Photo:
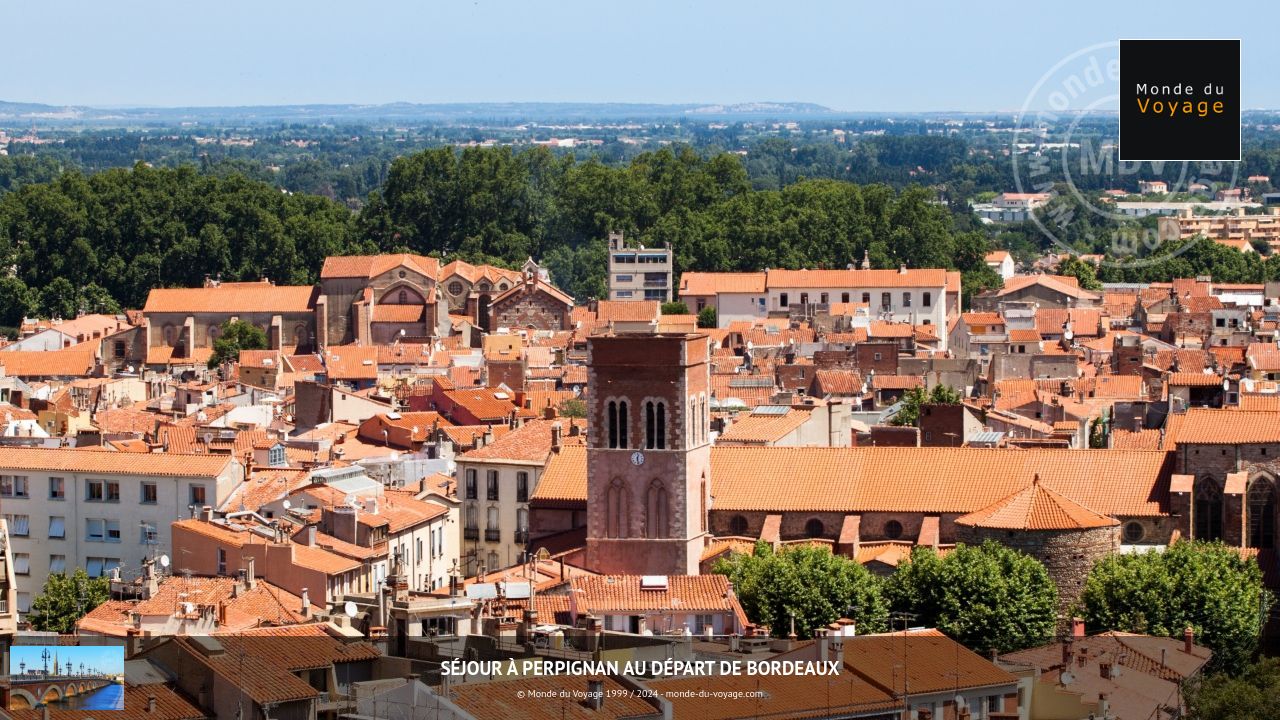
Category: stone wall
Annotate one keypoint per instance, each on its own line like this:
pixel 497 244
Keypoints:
pixel 1068 555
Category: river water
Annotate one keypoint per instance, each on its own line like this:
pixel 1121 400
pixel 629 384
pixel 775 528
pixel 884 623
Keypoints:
pixel 110 697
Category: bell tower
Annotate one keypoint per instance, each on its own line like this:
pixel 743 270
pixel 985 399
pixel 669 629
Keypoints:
pixel 648 452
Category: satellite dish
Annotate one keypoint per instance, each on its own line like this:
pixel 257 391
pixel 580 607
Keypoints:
pixel 286 504
pixel 187 608
pixel 164 561
pixel 1068 334
pixel 349 608
pixel 1067 678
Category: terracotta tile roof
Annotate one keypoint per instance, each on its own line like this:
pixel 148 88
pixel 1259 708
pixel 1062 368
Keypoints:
pixel 837 382
pixel 75 361
pixel 1259 403
pixel 896 382
pixel 475 273
pixel 368 266
pixel 402 511
pixel 264 603
pixel 881 329
pixel 887 479
pixel 785 279
pixel 853 337
pixel 169 705
pixel 267 359
pixel 1209 426
pixel 232 298
pixel 263 487
pixel 756 429
pixel 109 618
pixel 1139 440
pixel 982 318
pixel 351 362
pixel 392 313
pixel 126 420
pixel 530 443
pixel 82 461
pixel 750 390
pixel 1024 335
pixel 706 283
pixel 1194 379
pixel 1065 285
pixel 996 256
pixel 483 403
pixel 848 694
pixel 533 286
pixel 628 311
pixel 189 440
pixel 1036 507
pixel 612 594
pixel 1261 356
pixel 465 435
pixel 1085 322
pixel 500 700
pixel 261 678
pixel 214 530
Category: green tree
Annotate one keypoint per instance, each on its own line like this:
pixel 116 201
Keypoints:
pixel 236 335
pixel 1208 587
pixel 707 318
pixel 16 301
pixel 807 584
pixel 59 299
pixel 1080 270
pixel 913 399
pixel 1252 695
pixel 987 597
pixel 573 408
pixel 66 598
pixel 675 308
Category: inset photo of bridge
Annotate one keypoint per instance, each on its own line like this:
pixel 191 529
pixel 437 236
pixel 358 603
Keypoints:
pixel 66 677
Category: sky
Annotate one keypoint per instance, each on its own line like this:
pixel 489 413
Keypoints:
pixel 851 56
pixel 107 658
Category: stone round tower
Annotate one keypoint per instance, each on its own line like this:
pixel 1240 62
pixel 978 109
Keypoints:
pixel 1065 536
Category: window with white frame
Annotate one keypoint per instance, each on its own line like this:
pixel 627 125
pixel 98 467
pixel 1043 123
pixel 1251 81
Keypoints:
pixel 57 488
pixel 13 486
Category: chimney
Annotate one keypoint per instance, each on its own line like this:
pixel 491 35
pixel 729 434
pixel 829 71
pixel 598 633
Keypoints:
pixel 1104 707
pixel 306 604
pixel 206 513
pixel 373 506
pixel 1188 639
pixel 250 581
pixel 902 269
pixel 1077 627
pixel 595 694
pixel 549 412
pixel 222 622
pixel 151 704
pixel 311 534
pixel 555 437
pixel 820 634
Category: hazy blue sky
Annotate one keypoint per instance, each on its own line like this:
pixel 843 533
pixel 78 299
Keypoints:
pixel 847 55
pixel 106 658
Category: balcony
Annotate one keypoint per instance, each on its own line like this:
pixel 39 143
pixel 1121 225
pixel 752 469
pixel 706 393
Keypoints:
pixel 471 533
pixel 492 535
pixel 522 537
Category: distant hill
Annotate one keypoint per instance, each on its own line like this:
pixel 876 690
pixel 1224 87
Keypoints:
pixel 17 113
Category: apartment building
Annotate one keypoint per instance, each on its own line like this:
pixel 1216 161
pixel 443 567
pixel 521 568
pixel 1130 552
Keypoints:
pixel 639 273
pixel 1235 229
pixel 69 509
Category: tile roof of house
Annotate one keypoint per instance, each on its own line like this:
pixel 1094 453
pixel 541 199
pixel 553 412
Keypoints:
pixel 351 362
pixel 533 285
pixel 896 382
pixel 628 310
pixel 477 273
pixel 263 487
pixel 85 461
pixel 483 403
pixel 982 318
pixel 529 443
pixel 1210 426
pixel 169 705
pixel 1135 440
pixel 1259 403
pixel 246 607
pixel 1194 379
pixel 1036 507
pixel 1261 356
pixel 263 679
pixel 926 277
pixel 465 435
pixel 881 329
pixel 710 283
pixel 1065 285
pixel 248 297
pixel 729 697
pixel 394 313
pixel 997 256
pixel 837 382
pixel 612 594
pixel 1085 322
pixel 1024 335
pixel 888 479
pixel 124 420
pixel 937 664
pixel 368 266
pixel 75 361
pixel 762 429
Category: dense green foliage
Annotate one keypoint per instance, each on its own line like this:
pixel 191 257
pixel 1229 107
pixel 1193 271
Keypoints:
pixel 909 413
pixel 65 599
pixel 675 308
pixel 987 597
pixel 573 408
pixel 236 335
pixel 1206 586
pixel 707 317
pixel 1252 695
pixel 807 585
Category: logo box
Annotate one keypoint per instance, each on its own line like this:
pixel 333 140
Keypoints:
pixel 1180 100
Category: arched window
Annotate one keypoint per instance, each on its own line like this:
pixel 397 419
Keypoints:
pixel 300 334
pixel 213 333
pixel 1262 512
pixel 403 297
pixel 737 525
pixel 814 528
pixel 455 288
pixel 1208 509
pixel 168 335
pixel 624 439
pixel 611 410
pixel 655 425
pixel 702 503
pixel 893 529
pixel 657 519
pixel 616 525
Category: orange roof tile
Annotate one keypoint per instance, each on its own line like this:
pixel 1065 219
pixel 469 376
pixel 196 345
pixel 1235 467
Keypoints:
pixel 1194 379
pixel 1209 426
pixel 605 594
pixel 75 361
pixel 628 310
pixel 1036 507
pixel 1065 285
pixel 896 382
pixel 232 298
pixel 367 266
pixel 928 277
pixel 708 283
pixel 763 429
pixel 1135 440
pixel 351 362
pixel 83 461
pixel 392 313
pixel 529 443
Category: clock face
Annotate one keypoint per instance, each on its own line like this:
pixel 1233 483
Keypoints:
pixel 637 458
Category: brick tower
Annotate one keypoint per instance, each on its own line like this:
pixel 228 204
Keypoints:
pixel 648 453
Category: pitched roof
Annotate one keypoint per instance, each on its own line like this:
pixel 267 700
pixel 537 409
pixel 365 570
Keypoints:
pixel 1064 284
pixel 75 361
pixel 888 479
pixel 708 283
pixel 531 442
pixel 1135 440
pixel 351 362
pixel 367 266
pixel 604 594
pixel 232 298
pixel 926 278
pixel 532 286
pixel 483 403
pixel 392 313
pixel 1036 507
pixel 1211 426
pixel 628 310
pixel 86 461
pixel 759 429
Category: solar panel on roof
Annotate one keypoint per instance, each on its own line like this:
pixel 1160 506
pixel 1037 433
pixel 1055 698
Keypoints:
pixel 751 382
pixel 516 590
pixel 771 410
pixel 482 591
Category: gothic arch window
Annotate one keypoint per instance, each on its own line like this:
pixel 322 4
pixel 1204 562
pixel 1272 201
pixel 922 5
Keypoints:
pixel 1208 509
pixel 616 419
pixel 402 297
pixel 737 525
pixel 655 425
pixel 1261 512
pixel 814 528
pixel 616 525
pixel 702 503
pixel 300 334
pixel 657 511
pixel 213 333
pixel 624 438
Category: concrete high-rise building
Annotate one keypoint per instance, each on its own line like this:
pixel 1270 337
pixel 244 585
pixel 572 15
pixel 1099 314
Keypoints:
pixel 639 273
